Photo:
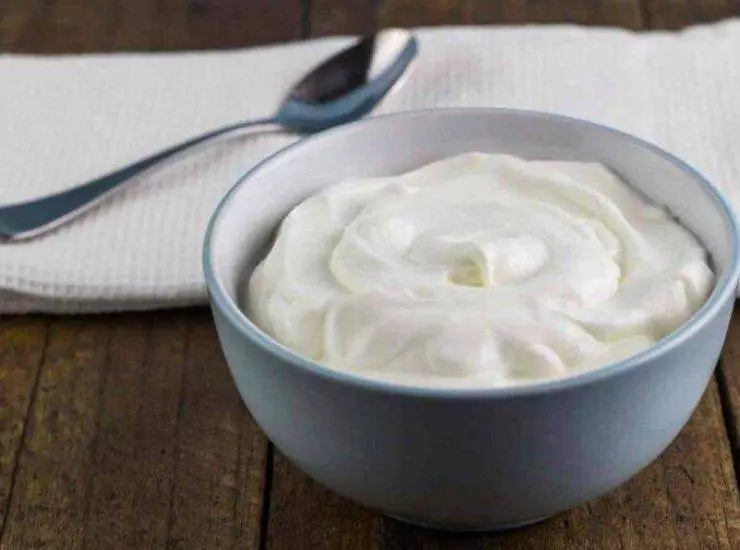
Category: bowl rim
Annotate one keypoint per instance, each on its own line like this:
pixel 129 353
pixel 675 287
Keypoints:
pixel 723 288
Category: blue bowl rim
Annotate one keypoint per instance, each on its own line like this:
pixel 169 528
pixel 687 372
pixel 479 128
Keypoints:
pixel 724 289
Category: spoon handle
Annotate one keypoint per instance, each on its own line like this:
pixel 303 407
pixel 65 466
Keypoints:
pixel 32 218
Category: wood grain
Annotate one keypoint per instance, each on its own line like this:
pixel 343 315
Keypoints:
pixel 76 26
pixel 729 378
pixel 624 13
pixel 238 23
pixel 20 22
pixel 132 467
pixel 677 14
pixel 48 504
pixel 137 437
pixel 303 514
pixel 22 346
pixel 365 16
pixel 332 17
pixel 221 454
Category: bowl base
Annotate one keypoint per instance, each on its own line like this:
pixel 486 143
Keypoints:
pixel 461 529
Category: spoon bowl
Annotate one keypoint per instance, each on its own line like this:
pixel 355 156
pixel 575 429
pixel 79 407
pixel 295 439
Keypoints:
pixel 350 84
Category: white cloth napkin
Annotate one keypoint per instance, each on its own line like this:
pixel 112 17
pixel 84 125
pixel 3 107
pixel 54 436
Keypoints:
pixel 64 120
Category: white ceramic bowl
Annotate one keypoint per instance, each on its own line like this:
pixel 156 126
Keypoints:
pixel 477 458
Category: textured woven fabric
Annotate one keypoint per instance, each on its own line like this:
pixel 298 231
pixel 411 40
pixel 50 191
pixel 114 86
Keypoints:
pixel 68 119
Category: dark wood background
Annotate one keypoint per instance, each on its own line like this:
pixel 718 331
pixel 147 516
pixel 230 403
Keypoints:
pixel 126 431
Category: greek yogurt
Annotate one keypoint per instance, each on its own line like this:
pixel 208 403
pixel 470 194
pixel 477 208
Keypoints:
pixel 478 270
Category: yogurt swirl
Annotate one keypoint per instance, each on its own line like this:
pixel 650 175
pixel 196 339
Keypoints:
pixel 478 270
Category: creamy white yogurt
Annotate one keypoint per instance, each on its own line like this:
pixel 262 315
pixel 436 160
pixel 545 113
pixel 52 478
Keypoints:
pixel 478 270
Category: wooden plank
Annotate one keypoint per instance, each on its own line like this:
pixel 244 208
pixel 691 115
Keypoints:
pixel 700 481
pixel 120 454
pixel 329 17
pixel 48 501
pixel 79 26
pixel 236 23
pixel 406 13
pixel 22 345
pixel 729 378
pixel 303 514
pixel 337 17
pixel 74 27
pixel 116 25
pixel 138 26
pixel 677 14
pixel 221 454
pixel 132 467
pixel 19 25
pixel 624 13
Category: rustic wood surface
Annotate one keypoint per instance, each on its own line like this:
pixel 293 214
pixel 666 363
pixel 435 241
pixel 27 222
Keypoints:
pixel 125 431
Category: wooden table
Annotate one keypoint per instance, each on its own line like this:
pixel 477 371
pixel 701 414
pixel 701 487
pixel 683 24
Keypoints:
pixel 126 431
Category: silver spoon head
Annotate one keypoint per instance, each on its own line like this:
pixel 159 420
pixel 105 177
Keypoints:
pixel 353 67
pixel 349 84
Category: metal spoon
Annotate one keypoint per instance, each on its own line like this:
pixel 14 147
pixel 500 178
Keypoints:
pixel 343 88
